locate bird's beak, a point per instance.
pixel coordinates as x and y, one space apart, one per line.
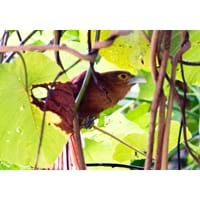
136 79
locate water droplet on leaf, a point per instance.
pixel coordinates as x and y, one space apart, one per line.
8 132
18 130
22 107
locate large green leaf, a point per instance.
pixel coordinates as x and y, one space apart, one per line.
129 52
20 120
97 151
123 154
100 147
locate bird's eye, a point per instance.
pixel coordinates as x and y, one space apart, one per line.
123 76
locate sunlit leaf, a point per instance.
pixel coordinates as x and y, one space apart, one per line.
21 121
97 151
71 35
129 52
124 154
115 124
193 54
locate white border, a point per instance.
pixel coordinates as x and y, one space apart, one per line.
99 185
101 14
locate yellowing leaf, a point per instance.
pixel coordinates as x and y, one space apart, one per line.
129 52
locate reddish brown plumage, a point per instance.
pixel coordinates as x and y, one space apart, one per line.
108 92
111 87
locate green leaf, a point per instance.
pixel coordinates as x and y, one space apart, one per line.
140 115
175 42
72 35
100 147
193 54
97 151
174 131
7 166
20 123
146 89
129 52
124 154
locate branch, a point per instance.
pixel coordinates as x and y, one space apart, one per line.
9 57
45 48
175 60
156 98
153 52
146 37
131 167
161 129
106 43
90 57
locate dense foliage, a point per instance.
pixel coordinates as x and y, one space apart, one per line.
129 120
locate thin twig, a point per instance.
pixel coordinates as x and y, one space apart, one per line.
57 38
153 53
45 48
41 135
89 40
146 37
190 63
4 38
4 41
178 146
109 41
113 165
19 35
25 71
119 140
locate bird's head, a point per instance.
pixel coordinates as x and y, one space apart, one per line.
121 78
118 83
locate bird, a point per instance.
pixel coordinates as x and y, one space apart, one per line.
104 93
